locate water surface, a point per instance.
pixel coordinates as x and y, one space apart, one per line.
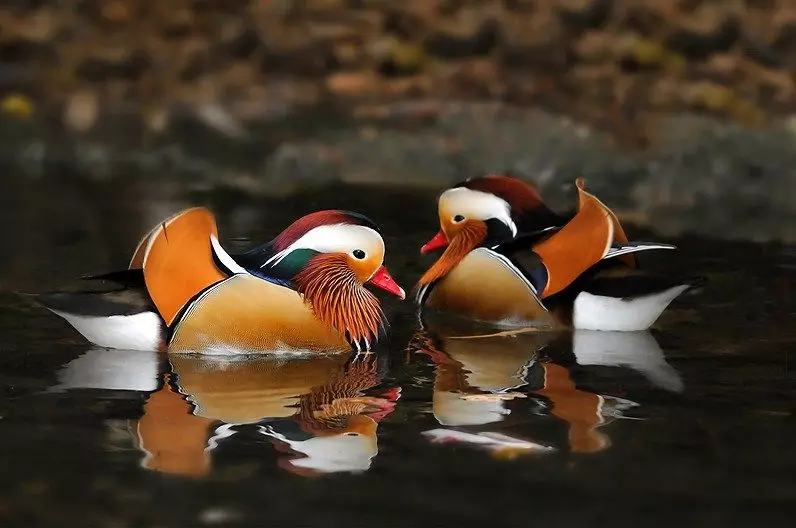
691 422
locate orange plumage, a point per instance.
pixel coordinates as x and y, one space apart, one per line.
337 299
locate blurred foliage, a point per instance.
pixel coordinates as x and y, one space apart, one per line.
616 64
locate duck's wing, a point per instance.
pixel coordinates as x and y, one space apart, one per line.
633 284
175 262
191 219
97 304
577 246
555 257
181 258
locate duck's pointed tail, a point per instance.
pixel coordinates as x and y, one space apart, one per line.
123 320
171 265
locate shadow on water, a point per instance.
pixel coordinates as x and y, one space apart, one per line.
444 425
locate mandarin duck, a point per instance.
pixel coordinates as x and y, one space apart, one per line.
183 292
510 260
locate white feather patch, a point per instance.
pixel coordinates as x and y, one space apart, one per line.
342 238
479 205
141 331
226 260
594 312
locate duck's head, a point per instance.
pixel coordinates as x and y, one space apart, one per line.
328 257
484 211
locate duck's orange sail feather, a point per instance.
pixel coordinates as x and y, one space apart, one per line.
137 262
579 245
619 235
178 261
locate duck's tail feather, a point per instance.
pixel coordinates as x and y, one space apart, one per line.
107 320
617 250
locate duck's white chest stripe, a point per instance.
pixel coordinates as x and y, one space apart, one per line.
224 258
422 293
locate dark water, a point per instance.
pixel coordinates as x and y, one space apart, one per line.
692 423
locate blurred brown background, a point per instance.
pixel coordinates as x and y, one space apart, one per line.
678 112
615 64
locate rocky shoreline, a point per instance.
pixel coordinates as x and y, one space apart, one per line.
706 177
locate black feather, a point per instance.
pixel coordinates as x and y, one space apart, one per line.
131 278
636 285
125 302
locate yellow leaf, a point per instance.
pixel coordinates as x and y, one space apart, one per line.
17 105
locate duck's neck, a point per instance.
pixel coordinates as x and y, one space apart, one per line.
537 218
338 299
264 261
255 258
328 286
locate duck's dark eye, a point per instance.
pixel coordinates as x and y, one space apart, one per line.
358 253
458 218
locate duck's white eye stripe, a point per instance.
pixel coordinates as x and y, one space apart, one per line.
478 205
333 238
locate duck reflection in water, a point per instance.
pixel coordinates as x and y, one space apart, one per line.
314 409
502 379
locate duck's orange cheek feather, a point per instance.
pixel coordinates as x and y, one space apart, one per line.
470 235
381 278
362 269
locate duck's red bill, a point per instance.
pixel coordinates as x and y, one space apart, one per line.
384 280
439 241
